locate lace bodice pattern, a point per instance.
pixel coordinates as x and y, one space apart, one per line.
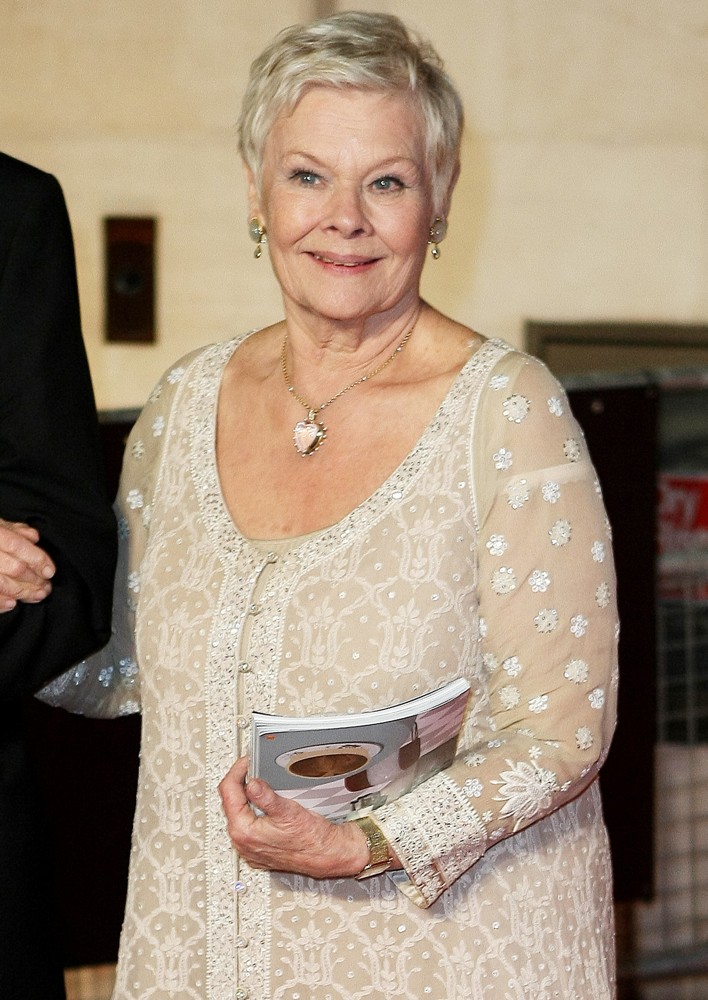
487 553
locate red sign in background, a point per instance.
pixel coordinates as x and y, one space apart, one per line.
683 535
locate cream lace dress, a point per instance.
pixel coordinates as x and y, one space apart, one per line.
485 554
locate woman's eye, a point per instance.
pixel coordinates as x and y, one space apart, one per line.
388 184
305 177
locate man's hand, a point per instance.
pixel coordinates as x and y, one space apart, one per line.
25 568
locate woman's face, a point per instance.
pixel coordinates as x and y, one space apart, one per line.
346 200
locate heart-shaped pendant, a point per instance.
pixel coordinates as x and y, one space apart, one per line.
308 435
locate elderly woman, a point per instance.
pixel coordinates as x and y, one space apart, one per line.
337 513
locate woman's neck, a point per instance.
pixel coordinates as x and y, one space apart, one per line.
322 350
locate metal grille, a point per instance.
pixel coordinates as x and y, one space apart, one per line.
683 667
671 933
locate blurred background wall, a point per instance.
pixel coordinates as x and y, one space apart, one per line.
584 191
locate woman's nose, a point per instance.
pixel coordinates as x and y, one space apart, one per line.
346 212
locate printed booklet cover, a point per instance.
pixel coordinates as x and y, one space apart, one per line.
345 765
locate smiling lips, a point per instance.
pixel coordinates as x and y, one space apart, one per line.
343 262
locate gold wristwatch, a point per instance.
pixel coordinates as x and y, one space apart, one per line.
380 859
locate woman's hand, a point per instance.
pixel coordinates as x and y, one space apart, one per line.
287 837
25 568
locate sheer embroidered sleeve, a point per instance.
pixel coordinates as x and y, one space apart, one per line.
107 684
545 694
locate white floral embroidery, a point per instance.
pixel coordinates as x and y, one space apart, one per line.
597 698
490 662
497 545
483 628
503 580
538 704
473 787
129 708
134 499
512 665
535 753
551 492
105 676
598 552
137 450
578 625
509 696
128 668
602 595
517 494
555 406
571 450
475 759
560 532
583 738
546 620
175 375
528 790
158 426
576 671
516 408
134 582
497 382
503 459
539 581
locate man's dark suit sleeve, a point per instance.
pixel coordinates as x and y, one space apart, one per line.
51 473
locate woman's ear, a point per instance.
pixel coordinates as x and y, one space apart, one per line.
450 188
254 201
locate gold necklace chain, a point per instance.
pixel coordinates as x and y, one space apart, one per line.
309 434
364 378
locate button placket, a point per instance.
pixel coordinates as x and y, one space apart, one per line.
245 671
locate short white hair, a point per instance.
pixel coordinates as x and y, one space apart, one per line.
357 50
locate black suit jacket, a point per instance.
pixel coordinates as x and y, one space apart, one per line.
51 477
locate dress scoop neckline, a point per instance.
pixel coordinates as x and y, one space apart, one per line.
391 489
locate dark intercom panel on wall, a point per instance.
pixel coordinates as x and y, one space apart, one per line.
130 278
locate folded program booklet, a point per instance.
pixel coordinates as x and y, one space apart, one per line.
346 765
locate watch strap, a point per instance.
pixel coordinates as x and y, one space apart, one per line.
379 854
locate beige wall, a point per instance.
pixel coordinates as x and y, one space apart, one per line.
584 192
